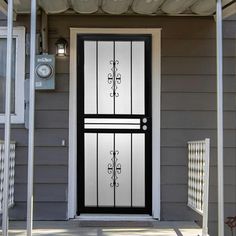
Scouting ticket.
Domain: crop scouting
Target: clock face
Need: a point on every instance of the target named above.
(44, 71)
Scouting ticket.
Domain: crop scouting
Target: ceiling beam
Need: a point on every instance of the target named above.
(229, 10)
(3, 9)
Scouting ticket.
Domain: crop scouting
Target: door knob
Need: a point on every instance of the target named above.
(144, 127)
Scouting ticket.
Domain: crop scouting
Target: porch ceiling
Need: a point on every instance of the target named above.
(116, 7)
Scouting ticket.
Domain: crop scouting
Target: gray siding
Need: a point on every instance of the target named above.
(188, 112)
(51, 159)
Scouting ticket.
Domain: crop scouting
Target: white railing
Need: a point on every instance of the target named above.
(198, 179)
(11, 174)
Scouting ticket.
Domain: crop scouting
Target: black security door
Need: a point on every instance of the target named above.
(114, 124)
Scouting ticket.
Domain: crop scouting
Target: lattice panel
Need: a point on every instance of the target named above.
(197, 154)
(11, 174)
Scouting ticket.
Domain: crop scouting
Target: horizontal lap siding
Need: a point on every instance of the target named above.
(177, 60)
(51, 158)
(188, 104)
(189, 113)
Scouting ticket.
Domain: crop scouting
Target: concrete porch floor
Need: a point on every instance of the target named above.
(73, 228)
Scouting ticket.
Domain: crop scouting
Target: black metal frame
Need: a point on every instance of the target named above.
(80, 124)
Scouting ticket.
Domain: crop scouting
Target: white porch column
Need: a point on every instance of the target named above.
(220, 147)
(7, 136)
(31, 119)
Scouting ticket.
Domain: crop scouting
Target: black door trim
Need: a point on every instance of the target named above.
(80, 123)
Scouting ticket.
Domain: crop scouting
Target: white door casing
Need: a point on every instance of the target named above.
(156, 95)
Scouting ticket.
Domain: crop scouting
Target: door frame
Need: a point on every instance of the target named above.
(156, 112)
(81, 130)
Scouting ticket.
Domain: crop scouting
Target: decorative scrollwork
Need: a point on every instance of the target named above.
(114, 78)
(114, 168)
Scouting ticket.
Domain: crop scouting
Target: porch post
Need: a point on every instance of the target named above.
(7, 135)
(220, 133)
(31, 118)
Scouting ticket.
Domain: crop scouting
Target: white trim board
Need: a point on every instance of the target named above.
(114, 217)
(156, 111)
(19, 36)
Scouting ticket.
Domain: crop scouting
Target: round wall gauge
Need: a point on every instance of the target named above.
(44, 71)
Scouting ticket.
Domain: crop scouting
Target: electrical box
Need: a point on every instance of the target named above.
(45, 72)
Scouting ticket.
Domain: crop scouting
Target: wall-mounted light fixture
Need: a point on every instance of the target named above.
(61, 46)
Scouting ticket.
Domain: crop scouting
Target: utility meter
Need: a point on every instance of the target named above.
(45, 72)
